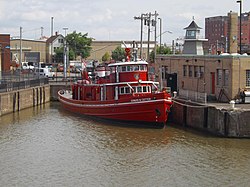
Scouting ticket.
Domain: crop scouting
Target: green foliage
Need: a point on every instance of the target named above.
(58, 57)
(164, 50)
(106, 57)
(118, 54)
(79, 44)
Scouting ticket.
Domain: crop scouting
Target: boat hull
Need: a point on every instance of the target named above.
(139, 111)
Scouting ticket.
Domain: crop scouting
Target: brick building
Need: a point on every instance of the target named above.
(217, 33)
(5, 52)
(220, 77)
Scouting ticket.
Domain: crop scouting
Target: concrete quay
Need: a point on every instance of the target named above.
(16, 100)
(219, 119)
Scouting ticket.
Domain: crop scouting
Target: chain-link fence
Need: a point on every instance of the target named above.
(15, 80)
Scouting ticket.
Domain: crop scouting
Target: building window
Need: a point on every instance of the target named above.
(60, 41)
(164, 72)
(219, 77)
(247, 78)
(196, 71)
(190, 33)
(184, 70)
(226, 77)
(190, 71)
(201, 71)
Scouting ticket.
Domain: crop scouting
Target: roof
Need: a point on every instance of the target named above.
(193, 25)
(128, 63)
(52, 38)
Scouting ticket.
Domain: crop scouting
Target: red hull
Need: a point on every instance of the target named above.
(124, 94)
(152, 110)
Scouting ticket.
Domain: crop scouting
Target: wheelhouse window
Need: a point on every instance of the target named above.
(143, 68)
(136, 68)
(129, 68)
(136, 89)
(123, 68)
(133, 68)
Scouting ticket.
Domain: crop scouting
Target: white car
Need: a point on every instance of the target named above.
(26, 65)
(46, 72)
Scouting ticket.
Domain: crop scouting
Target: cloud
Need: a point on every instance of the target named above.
(107, 19)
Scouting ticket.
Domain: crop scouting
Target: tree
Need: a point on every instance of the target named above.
(79, 44)
(106, 57)
(58, 57)
(118, 54)
(163, 50)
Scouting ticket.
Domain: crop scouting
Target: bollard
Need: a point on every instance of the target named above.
(175, 94)
(232, 103)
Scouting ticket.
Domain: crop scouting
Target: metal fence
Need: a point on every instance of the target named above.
(15, 80)
(193, 96)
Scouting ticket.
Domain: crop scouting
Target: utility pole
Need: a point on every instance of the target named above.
(147, 21)
(142, 17)
(65, 54)
(154, 24)
(51, 45)
(240, 2)
(42, 32)
(52, 24)
(21, 49)
(160, 32)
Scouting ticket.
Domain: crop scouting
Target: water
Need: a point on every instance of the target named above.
(47, 146)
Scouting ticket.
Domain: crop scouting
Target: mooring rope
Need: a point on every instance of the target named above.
(205, 106)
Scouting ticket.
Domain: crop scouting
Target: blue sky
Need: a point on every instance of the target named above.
(108, 19)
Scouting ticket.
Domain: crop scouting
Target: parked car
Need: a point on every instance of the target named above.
(27, 66)
(46, 72)
(60, 68)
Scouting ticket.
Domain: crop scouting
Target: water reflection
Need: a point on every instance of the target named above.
(47, 146)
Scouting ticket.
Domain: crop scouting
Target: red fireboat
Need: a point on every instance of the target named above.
(121, 91)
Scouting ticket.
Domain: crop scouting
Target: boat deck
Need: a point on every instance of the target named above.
(67, 94)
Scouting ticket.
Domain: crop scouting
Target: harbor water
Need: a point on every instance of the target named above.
(48, 146)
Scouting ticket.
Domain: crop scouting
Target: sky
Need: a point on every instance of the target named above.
(108, 19)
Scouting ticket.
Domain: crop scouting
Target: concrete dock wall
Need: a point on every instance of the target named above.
(17, 100)
(226, 122)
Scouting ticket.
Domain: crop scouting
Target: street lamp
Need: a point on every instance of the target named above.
(65, 54)
(160, 32)
(240, 2)
(65, 30)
